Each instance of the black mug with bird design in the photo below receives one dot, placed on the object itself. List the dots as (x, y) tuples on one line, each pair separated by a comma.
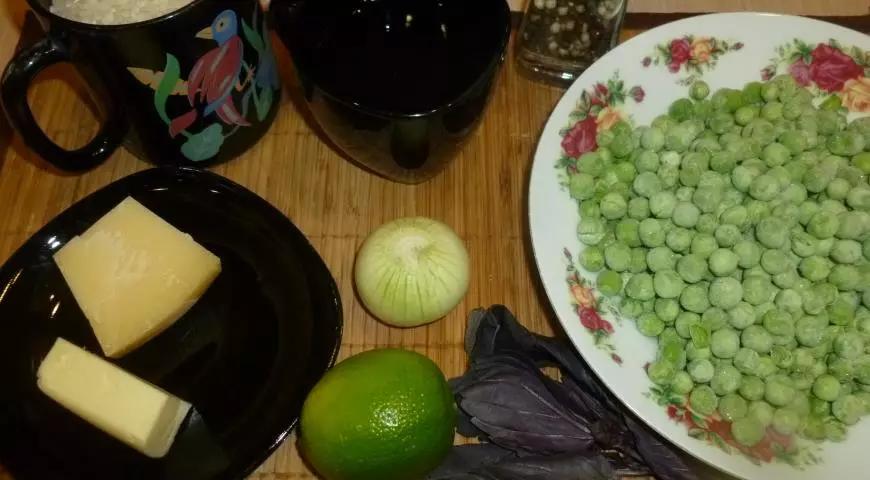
[(195, 87)]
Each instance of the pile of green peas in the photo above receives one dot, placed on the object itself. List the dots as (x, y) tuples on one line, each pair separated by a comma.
[(735, 229)]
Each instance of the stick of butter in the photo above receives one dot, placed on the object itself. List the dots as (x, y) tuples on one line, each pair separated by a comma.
[(133, 275), (130, 409)]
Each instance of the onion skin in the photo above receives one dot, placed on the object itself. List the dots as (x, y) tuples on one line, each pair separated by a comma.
[(411, 271)]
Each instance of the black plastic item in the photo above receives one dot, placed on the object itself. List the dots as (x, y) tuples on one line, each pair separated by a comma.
[(195, 87), (246, 355)]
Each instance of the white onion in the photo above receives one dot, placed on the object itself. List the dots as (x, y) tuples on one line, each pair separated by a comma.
[(411, 271)]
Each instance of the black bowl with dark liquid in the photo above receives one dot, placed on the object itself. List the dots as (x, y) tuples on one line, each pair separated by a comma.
[(398, 85)]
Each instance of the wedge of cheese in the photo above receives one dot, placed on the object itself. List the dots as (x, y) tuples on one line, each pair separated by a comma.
[(133, 275), (130, 409)]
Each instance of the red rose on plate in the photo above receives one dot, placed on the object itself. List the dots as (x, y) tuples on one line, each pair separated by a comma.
[(681, 51), (581, 138), (601, 89), (637, 94), (831, 68), (590, 319), (800, 71)]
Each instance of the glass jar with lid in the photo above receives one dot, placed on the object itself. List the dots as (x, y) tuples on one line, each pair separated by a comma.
[(559, 39)]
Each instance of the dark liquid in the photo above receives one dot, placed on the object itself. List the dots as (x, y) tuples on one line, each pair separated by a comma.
[(399, 56)]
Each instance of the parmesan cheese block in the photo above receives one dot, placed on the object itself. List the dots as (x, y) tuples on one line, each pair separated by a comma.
[(133, 275), (130, 409)]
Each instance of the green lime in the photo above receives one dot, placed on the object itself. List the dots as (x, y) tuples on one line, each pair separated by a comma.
[(384, 414)]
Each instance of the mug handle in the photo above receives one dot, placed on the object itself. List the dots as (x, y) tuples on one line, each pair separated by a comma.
[(16, 79)]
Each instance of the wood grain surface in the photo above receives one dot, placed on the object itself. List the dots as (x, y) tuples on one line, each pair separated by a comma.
[(803, 7), (481, 195)]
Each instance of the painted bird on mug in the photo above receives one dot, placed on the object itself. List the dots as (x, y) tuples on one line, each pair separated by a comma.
[(215, 75)]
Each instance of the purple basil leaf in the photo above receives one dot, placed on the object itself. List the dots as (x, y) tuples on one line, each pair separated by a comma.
[(514, 407), (505, 396), (496, 329), (527, 402), (582, 393), (610, 430), (465, 427), (468, 458), (526, 442), (663, 461), (482, 462)]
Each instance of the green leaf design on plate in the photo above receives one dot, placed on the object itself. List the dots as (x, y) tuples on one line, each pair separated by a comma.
[(857, 54), (721, 443), (171, 74), (699, 420)]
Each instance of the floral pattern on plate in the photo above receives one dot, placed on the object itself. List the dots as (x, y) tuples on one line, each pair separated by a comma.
[(599, 109), (554, 215), (833, 72), (692, 54), (587, 306), (716, 430)]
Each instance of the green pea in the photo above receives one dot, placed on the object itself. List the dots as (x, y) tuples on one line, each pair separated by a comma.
[(779, 391), (747, 431), (815, 268), (703, 400), (847, 409), (786, 421), (736, 230), (761, 411), (651, 232), (661, 372), (680, 239), (726, 292), (650, 324), (699, 90), (609, 283), (681, 109), (756, 338), (668, 284), (732, 407), (694, 298), (661, 258), (727, 235)]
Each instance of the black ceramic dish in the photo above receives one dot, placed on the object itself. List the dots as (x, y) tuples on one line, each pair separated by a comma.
[(245, 355)]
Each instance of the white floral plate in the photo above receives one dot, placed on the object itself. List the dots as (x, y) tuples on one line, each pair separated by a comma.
[(637, 81)]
